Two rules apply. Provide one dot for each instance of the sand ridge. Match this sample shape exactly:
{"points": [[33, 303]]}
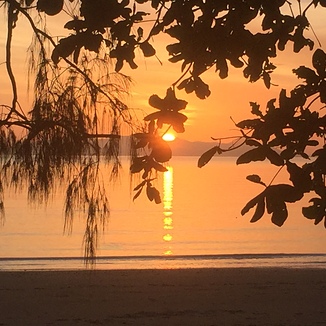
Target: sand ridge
{"points": [[185, 297]]}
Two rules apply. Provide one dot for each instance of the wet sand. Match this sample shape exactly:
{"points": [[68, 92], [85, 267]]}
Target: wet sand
{"points": [[185, 297]]}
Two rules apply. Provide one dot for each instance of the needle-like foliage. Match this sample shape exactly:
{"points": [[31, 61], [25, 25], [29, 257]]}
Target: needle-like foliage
{"points": [[76, 115]]}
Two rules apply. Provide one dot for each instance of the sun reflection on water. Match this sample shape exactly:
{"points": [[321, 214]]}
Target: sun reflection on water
{"points": [[167, 212]]}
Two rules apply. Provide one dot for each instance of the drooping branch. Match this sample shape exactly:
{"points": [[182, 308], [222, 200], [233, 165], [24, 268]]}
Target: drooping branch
{"points": [[12, 19]]}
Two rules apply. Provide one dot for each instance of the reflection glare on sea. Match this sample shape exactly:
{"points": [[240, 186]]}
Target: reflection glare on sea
{"points": [[199, 215], [167, 209]]}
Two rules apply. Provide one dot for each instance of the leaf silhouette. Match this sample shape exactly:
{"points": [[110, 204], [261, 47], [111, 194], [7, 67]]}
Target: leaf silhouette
{"points": [[274, 157], [201, 89], [207, 156], [51, 8], [137, 194], [322, 91], [138, 164], [169, 103], [319, 62], [255, 179], [252, 203], [255, 109], [64, 48], [158, 167], [257, 154], [260, 210], [274, 199], [279, 215], [142, 184], [169, 111], [276, 196], [300, 177], [147, 49], [249, 123], [317, 211], [153, 194], [267, 79], [161, 151], [306, 73]]}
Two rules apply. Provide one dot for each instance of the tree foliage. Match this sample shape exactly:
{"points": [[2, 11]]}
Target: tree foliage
{"points": [[62, 133]]}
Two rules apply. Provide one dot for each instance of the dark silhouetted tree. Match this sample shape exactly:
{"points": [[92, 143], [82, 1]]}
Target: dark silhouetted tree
{"points": [[62, 134]]}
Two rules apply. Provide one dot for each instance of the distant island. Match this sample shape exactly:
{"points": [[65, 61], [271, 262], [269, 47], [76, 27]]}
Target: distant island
{"points": [[181, 147]]}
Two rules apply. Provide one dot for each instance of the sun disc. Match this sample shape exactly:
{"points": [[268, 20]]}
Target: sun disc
{"points": [[168, 137]]}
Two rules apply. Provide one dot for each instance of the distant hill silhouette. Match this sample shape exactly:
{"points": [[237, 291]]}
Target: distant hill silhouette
{"points": [[181, 147]]}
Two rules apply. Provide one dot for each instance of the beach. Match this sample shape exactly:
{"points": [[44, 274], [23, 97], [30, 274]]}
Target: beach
{"points": [[225, 296]]}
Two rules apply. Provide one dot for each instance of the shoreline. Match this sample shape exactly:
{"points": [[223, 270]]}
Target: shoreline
{"points": [[195, 296], [281, 260]]}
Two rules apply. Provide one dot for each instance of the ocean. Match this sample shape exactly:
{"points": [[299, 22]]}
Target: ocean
{"points": [[198, 225]]}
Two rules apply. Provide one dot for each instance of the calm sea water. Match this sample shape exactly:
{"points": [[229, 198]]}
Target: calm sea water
{"points": [[197, 225]]}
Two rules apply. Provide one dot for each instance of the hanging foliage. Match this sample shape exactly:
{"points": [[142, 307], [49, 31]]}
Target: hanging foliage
{"points": [[62, 135]]}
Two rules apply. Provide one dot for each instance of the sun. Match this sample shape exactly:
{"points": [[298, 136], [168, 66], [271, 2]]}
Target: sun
{"points": [[168, 137]]}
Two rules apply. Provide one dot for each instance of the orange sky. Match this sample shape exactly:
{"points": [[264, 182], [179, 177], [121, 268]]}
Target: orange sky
{"points": [[231, 96], [206, 118]]}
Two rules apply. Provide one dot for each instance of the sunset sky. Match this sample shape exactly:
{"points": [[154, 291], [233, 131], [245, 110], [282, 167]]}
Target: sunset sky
{"points": [[194, 201], [229, 97], [206, 118]]}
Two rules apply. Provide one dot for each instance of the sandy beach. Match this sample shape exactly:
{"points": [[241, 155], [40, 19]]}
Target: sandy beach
{"points": [[243, 296]]}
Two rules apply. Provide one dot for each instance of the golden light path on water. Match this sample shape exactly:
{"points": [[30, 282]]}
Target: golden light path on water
{"points": [[167, 210]]}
